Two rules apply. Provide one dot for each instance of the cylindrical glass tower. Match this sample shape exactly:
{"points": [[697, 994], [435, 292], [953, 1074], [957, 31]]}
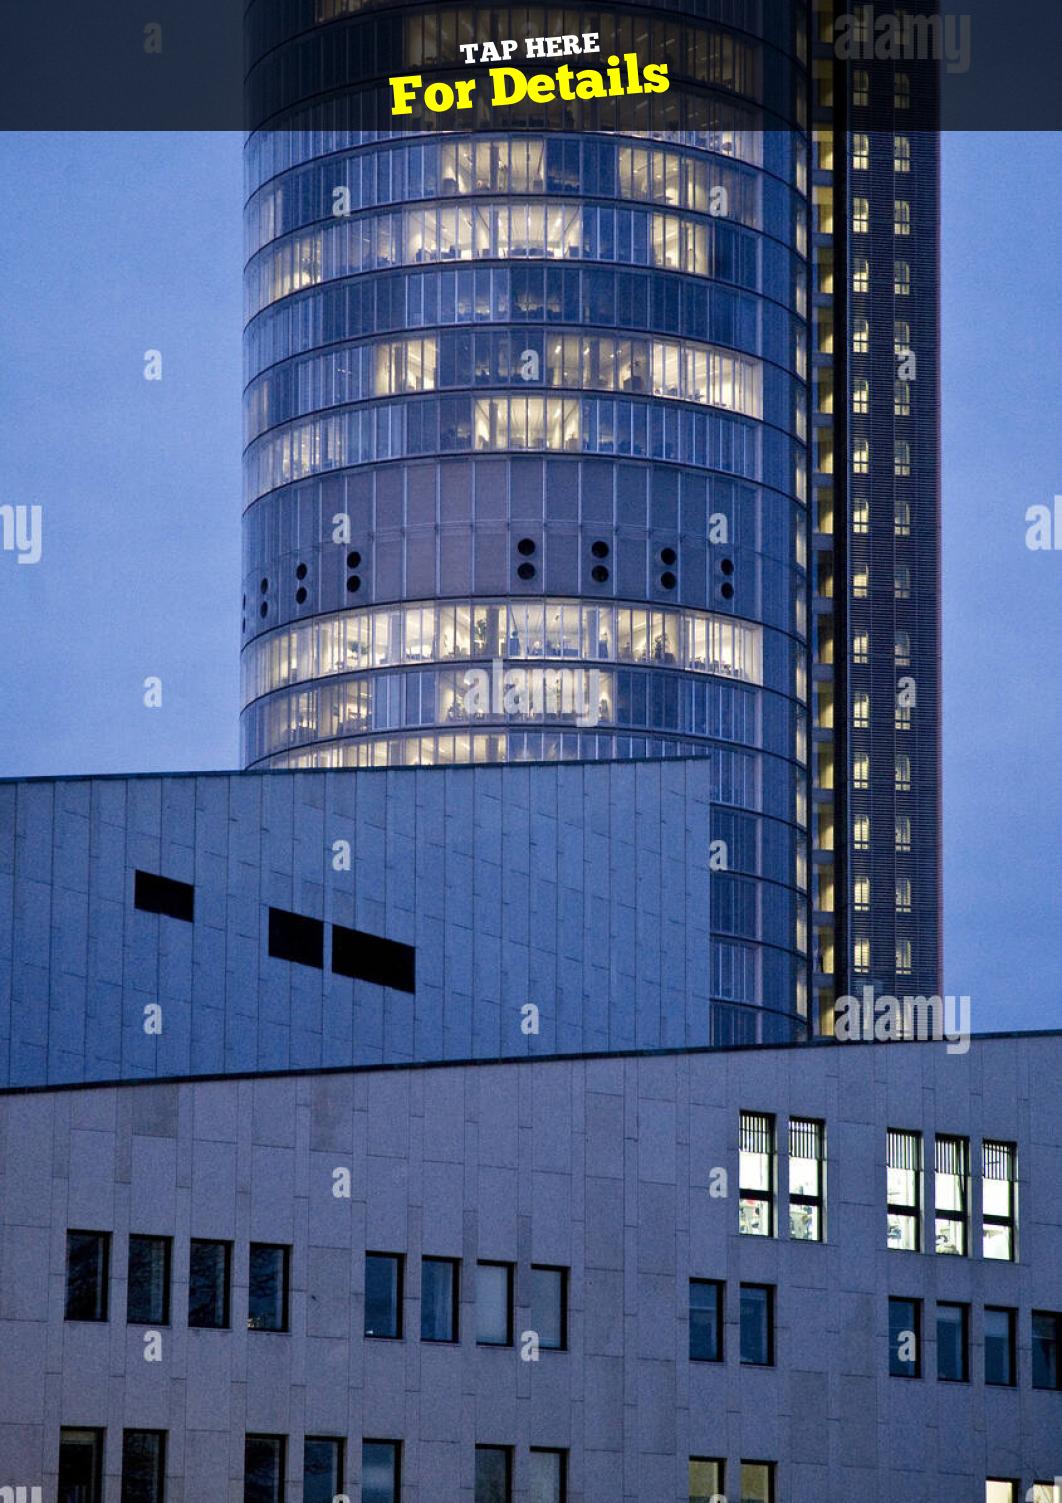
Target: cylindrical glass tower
{"points": [[526, 432]]}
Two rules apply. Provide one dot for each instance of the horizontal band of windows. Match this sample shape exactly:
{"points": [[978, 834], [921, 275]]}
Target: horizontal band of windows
{"points": [[583, 698], [471, 231], [458, 748], [514, 164], [463, 425], [329, 127], [668, 369], [392, 636], [657, 302]]}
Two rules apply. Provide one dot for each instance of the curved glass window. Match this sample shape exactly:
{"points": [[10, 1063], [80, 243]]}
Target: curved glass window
{"points": [[462, 425], [391, 302], [581, 697], [390, 636], [471, 230], [519, 164], [603, 362]]}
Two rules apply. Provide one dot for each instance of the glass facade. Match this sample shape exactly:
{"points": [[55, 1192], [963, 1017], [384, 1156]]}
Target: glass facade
{"points": [[525, 478]]}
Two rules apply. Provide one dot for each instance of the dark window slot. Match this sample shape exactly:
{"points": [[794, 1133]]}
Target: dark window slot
{"points": [[294, 937], [367, 957], [154, 894]]}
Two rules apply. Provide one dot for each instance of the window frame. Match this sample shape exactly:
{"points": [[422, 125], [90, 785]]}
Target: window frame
{"points": [[104, 1277], [915, 1326], [395, 1447], [510, 1287], [767, 1306], [226, 1323], [506, 1453], [817, 1136], [910, 1211], [963, 1375], [71, 1434], [562, 1467], [718, 1314], [282, 1457], [1010, 1314], [399, 1262], [757, 1127], [1008, 1222], [563, 1281], [167, 1275], [1053, 1342], [340, 1445], [455, 1300], [284, 1249], [160, 1464], [959, 1219]]}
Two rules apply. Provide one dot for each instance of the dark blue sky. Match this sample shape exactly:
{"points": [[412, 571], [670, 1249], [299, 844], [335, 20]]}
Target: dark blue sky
{"points": [[113, 245]]}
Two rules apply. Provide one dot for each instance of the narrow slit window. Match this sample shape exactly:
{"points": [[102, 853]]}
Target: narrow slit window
{"points": [[294, 937], [756, 1175], [368, 957], [999, 1200], [165, 895], [807, 1168]]}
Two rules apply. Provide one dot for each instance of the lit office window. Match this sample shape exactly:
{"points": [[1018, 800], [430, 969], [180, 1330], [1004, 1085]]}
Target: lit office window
{"points": [[1046, 1349], [860, 336], [952, 1180], [757, 1482], [903, 832], [861, 832], [209, 1283], [1045, 1492], [901, 154], [905, 1338], [901, 515], [494, 1474], [807, 1161], [901, 217], [861, 395], [322, 1469], [756, 1175], [860, 274], [998, 1490], [263, 1469], [148, 1301], [901, 407], [706, 1320], [901, 91], [861, 954], [901, 279], [549, 1307], [144, 1466], [861, 709], [901, 582], [494, 1304], [439, 1297], [757, 1324], [901, 337], [902, 648], [381, 1471], [548, 1474], [860, 456], [80, 1466], [953, 1343], [903, 773], [861, 647], [383, 1295], [861, 512], [903, 717], [904, 1190], [1001, 1327], [87, 1260], [860, 87], [706, 1479], [861, 894], [901, 462], [999, 1196], [860, 581], [267, 1294], [903, 892], [860, 152], [860, 216], [861, 770]]}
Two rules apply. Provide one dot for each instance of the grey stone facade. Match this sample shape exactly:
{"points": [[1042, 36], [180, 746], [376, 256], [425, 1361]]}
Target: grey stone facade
{"points": [[583, 891], [601, 1165]]}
